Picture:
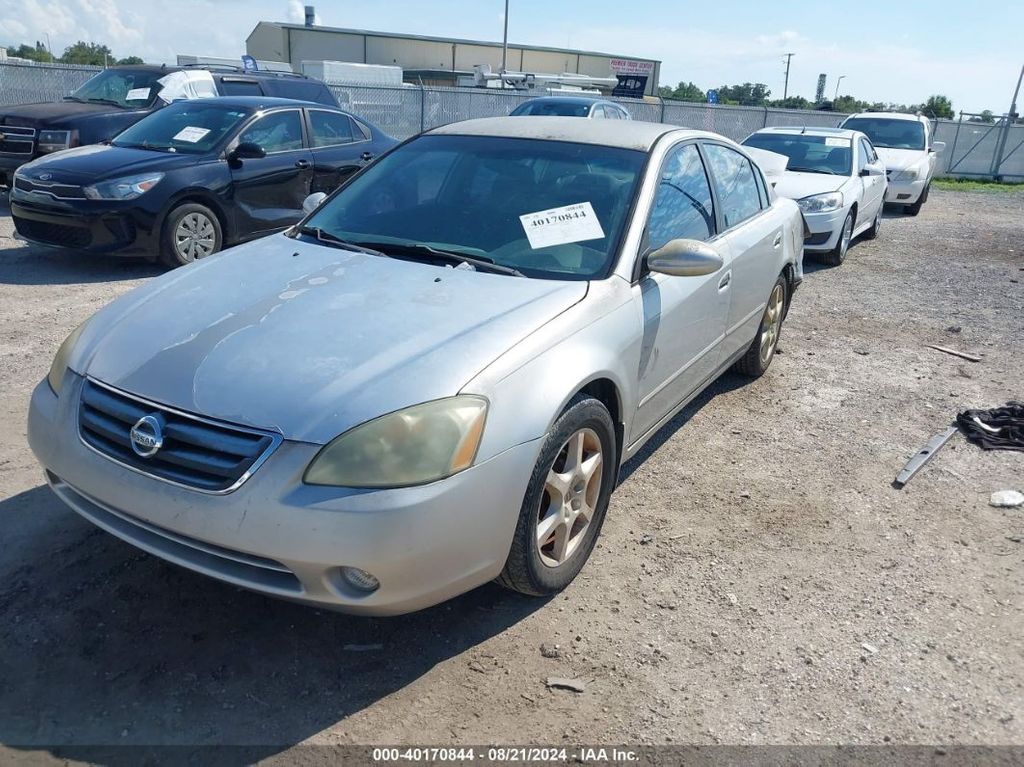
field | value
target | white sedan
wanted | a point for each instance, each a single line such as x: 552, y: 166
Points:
x: 836, y: 178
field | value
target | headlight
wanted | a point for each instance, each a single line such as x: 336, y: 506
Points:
x: 60, y: 361
x: 55, y: 140
x: 420, y: 444
x: 908, y: 175
x: 821, y: 203
x: 127, y: 188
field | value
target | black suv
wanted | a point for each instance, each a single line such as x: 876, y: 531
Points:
x: 120, y: 96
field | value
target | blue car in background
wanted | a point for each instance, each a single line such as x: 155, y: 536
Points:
x: 193, y: 177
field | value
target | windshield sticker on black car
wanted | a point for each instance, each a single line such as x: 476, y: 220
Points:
x: 559, y: 226
x: 190, y: 134
x: 137, y: 94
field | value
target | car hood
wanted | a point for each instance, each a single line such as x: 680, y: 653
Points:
x: 898, y: 159
x: 310, y: 341
x: 86, y: 164
x: 797, y: 185
x: 48, y: 112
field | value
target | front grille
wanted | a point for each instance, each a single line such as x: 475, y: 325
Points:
x: 17, y: 140
x: 53, y: 234
x: 196, y: 452
x: 59, y: 191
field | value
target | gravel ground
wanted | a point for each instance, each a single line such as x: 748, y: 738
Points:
x: 758, y: 580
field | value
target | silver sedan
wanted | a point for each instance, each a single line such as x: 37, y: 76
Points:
x: 432, y: 381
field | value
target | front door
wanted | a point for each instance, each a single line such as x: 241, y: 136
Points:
x: 269, y: 191
x: 339, y: 146
x: 683, y: 317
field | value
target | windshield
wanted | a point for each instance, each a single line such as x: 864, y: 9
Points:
x: 889, y: 134
x: 809, y: 154
x: 548, y: 209
x: 552, y: 109
x: 192, y: 127
x: 121, y: 87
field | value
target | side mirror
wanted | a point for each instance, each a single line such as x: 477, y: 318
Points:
x: 248, y: 150
x: 685, y: 258
x: 872, y: 169
x: 312, y: 202
x: 938, y: 147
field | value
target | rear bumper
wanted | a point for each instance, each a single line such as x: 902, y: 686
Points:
x: 101, y: 230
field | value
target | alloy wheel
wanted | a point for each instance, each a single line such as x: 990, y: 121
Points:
x: 569, y: 501
x: 194, y: 237
x: 772, y: 324
x: 846, y: 236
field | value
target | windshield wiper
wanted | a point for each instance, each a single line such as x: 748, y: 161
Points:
x: 333, y: 240
x: 106, y: 101
x: 450, y: 256
x: 812, y: 170
x: 79, y: 99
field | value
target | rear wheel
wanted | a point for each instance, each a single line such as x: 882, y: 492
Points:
x: 565, y: 501
x: 762, y: 349
x: 876, y: 226
x: 837, y: 255
x: 191, y: 232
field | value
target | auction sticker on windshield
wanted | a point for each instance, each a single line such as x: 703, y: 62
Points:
x: 190, y: 134
x: 136, y: 94
x: 831, y: 141
x: 559, y: 226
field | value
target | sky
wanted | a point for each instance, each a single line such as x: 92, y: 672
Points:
x: 888, y: 51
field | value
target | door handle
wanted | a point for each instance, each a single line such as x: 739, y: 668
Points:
x: 724, y: 282
x: 367, y: 156
x: 302, y: 164
x: 778, y: 240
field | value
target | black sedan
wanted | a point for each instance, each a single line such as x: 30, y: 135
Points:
x: 192, y: 178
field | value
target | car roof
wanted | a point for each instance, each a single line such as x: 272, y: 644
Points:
x: 569, y: 100
x: 260, y: 102
x: 811, y: 130
x: 223, y: 70
x: 889, y: 116
x: 623, y: 134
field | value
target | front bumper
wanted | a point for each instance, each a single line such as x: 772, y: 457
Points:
x: 905, y: 193
x: 96, y: 227
x: 825, y: 229
x: 280, y: 537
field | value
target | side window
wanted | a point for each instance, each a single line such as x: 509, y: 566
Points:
x: 762, y: 189
x: 597, y: 111
x: 734, y: 180
x: 329, y: 128
x: 869, y: 150
x: 682, y: 205
x: 277, y: 132
x: 865, y: 156
x: 360, y: 132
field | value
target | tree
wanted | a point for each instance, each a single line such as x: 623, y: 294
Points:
x: 87, y: 53
x: 38, y: 53
x: 747, y: 94
x: 130, y: 60
x: 938, y: 106
x: 683, y: 92
x: 791, y: 102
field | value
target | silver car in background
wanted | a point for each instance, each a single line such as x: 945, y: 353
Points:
x: 432, y: 381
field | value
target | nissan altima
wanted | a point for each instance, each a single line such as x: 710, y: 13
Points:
x: 432, y: 380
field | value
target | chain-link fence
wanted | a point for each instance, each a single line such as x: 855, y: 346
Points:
x: 972, y: 148
x: 25, y: 83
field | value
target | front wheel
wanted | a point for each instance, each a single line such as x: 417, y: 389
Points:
x: 837, y: 255
x: 762, y: 349
x: 191, y: 232
x: 565, y: 501
x: 914, y: 209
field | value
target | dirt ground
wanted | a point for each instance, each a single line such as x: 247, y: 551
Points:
x: 758, y: 580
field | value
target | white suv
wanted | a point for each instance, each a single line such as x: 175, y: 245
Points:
x: 904, y: 143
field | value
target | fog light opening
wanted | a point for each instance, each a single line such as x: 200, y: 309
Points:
x: 360, y: 580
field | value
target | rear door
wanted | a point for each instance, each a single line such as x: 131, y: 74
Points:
x: 269, y: 191
x: 340, y: 147
x: 874, y: 185
x: 752, y: 236
x: 683, y: 317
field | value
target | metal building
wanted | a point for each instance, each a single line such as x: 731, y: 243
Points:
x: 434, y: 60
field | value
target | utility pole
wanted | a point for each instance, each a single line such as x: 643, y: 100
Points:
x: 504, y: 46
x: 837, y: 86
x: 785, y: 88
x: 1011, y: 118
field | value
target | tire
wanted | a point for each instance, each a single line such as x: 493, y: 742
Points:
x: 191, y: 231
x: 837, y: 255
x: 876, y: 226
x: 762, y: 349
x: 539, y: 568
x: 913, y: 210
